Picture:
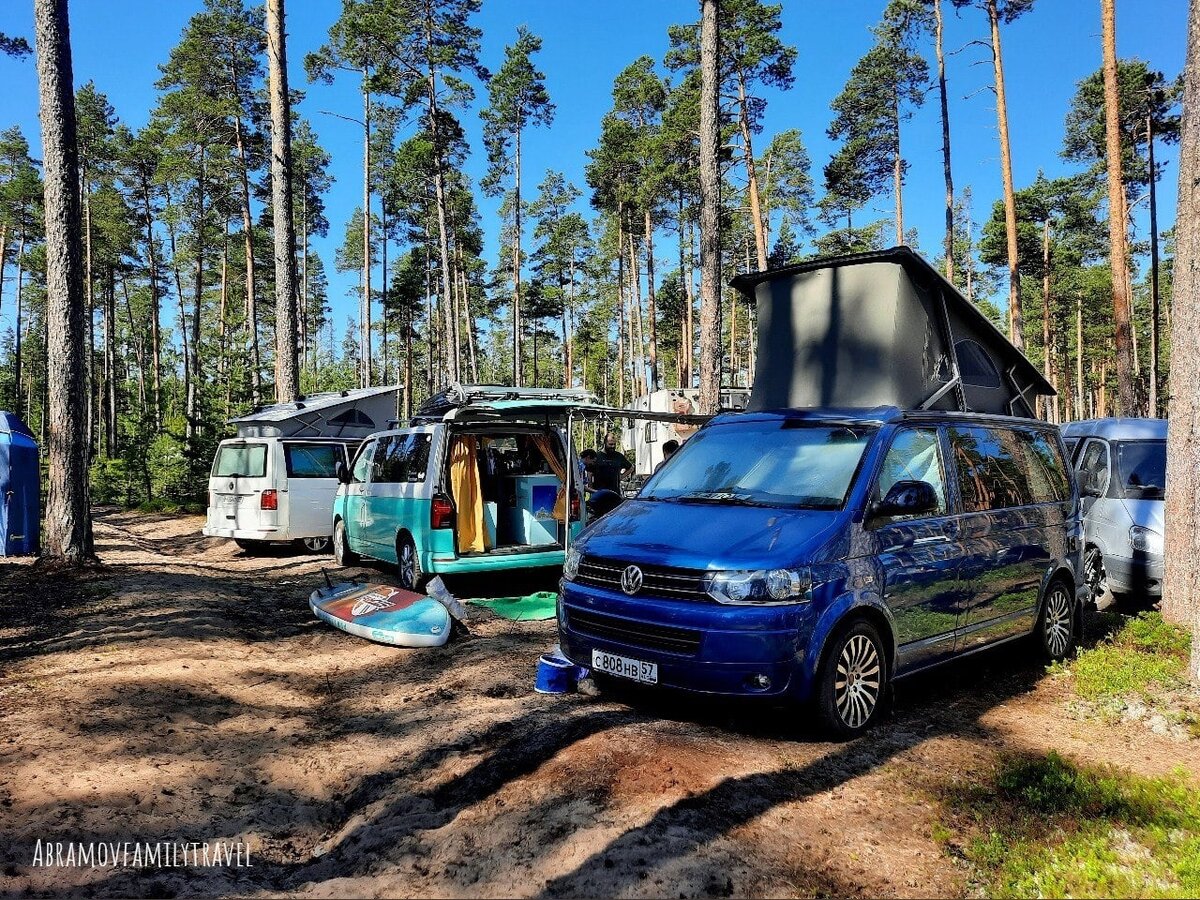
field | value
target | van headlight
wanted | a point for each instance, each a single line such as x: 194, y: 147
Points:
x: 761, y: 587
x: 1145, y: 540
x: 571, y: 564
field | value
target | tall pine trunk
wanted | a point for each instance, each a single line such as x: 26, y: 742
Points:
x: 192, y: 401
x: 516, y: 303
x: 1117, y: 235
x: 248, y: 239
x: 155, y: 338
x: 364, y: 309
x: 1016, y: 320
x: 651, y: 312
x: 710, y: 209
x: 756, y: 212
x: 450, y: 367
x: 1181, y: 580
x: 17, y: 335
x: 287, y: 373
x: 68, y: 521
x: 941, y: 67
x: 1155, y: 312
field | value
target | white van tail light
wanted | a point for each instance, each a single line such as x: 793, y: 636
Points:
x: 269, y: 500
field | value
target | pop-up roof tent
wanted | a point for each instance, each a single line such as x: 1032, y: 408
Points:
x: 351, y: 414
x: 20, y: 488
x: 881, y: 329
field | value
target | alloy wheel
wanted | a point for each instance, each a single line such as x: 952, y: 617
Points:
x: 857, y: 686
x: 408, y: 559
x: 1094, y: 574
x: 1057, y: 623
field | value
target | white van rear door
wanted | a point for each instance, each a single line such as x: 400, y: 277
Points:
x: 239, y: 476
x: 311, y: 484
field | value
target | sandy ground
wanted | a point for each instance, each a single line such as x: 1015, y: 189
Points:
x: 184, y: 692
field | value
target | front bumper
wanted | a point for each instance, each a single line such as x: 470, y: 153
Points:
x: 728, y: 648
x: 1142, y: 574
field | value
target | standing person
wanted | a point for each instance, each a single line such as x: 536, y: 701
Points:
x: 670, y: 448
x: 610, y: 466
x: 587, y: 460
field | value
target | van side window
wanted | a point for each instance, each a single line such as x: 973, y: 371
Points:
x: 312, y: 460
x: 1047, y: 475
x: 405, y: 461
x: 914, y: 456
x: 991, y: 467
x: 1093, y: 468
x: 362, y: 463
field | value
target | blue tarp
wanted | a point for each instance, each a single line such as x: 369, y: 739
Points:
x: 20, y: 488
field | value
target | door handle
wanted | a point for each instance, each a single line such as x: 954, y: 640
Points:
x: 931, y: 539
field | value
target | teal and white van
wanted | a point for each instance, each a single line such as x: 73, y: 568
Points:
x: 477, y: 483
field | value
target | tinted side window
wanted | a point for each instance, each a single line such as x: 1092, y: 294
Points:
x: 991, y: 468
x: 914, y: 456
x: 406, y: 459
x: 1047, y: 474
x: 312, y: 460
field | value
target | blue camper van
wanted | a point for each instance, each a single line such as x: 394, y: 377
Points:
x: 20, y: 488
x: 847, y: 549
x: 887, y: 503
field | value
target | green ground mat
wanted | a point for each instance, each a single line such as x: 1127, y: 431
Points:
x: 534, y: 607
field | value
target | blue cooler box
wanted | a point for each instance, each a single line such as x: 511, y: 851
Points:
x: 532, y: 520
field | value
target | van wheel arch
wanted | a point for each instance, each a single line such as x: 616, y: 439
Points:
x: 874, y: 617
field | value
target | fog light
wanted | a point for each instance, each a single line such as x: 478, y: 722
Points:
x: 759, y: 682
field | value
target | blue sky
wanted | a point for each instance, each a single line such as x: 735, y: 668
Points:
x: 120, y: 43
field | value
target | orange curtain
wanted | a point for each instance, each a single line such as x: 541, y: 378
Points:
x: 468, y: 496
x: 542, y: 442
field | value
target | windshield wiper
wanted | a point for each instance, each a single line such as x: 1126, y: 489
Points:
x: 723, y: 497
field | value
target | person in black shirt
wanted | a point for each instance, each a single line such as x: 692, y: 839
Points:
x: 609, y: 466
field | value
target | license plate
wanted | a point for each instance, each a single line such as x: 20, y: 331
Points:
x: 623, y: 666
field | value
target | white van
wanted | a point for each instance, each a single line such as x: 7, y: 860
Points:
x: 270, y: 490
x: 276, y: 480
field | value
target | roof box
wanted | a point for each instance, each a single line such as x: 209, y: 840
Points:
x: 881, y: 329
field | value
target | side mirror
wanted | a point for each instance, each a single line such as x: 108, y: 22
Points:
x: 342, y: 473
x: 906, y: 498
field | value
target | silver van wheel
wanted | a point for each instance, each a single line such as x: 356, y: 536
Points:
x: 1056, y: 622
x: 1096, y: 578
x: 408, y: 565
x: 857, y: 686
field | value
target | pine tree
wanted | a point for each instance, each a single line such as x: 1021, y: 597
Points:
x: 518, y: 97
x: 68, y: 520
x: 1005, y: 12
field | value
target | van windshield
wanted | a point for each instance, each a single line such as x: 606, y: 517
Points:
x: 772, y: 463
x: 1142, y: 467
x: 243, y: 460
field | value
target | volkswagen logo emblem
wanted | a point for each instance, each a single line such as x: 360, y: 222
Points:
x: 631, y: 580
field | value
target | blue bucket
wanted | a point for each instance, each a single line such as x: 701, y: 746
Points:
x: 556, y: 674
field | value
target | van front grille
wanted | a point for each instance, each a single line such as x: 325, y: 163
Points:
x: 657, y: 581
x: 684, y: 641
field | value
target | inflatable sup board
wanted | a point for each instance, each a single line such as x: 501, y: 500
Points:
x: 380, y: 612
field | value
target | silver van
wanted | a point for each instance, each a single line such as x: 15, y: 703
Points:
x: 1121, y: 466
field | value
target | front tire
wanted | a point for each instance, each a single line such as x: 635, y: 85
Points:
x: 1056, y: 623
x: 852, y: 681
x: 408, y: 564
x: 1096, y: 577
x: 342, y: 554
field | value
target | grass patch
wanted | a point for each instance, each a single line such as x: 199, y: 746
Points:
x: 1143, y: 654
x: 1043, y: 827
